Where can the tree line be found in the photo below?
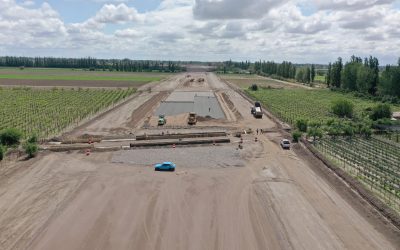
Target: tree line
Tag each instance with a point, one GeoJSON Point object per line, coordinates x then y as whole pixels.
{"type": "Point", "coordinates": [306, 74]}
{"type": "Point", "coordinates": [364, 77]}
{"type": "Point", "coordinates": [282, 70]}
{"type": "Point", "coordinates": [90, 63]}
{"type": "Point", "coordinates": [285, 70]}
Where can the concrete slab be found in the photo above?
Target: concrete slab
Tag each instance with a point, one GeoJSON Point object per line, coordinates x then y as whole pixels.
{"type": "Point", "coordinates": [208, 106]}
{"type": "Point", "coordinates": [187, 96]}
{"type": "Point", "coordinates": [202, 103]}
{"type": "Point", "coordinates": [175, 108]}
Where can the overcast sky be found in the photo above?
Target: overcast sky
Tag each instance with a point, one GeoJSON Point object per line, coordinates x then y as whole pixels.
{"type": "Point", "coordinates": [314, 31]}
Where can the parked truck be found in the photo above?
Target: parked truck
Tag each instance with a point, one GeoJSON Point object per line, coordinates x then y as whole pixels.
{"type": "Point", "coordinates": [192, 120]}
{"type": "Point", "coordinates": [257, 110]}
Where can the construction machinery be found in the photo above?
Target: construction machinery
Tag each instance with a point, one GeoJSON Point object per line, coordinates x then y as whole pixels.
{"type": "Point", "coordinates": [256, 110]}
{"type": "Point", "coordinates": [161, 120]}
{"type": "Point", "coordinates": [192, 120]}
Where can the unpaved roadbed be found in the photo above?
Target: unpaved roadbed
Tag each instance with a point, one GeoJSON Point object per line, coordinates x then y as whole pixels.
{"type": "Point", "coordinates": [261, 197]}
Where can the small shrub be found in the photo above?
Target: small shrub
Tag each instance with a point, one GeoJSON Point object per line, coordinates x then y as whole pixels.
{"type": "Point", "coordinates": [33, 139]}
{"type": "Point", "coordinates": [348, 130]}
{"type": "Point", "coordinates": [333, 131]}
{"type": "Point", "coordinates": [10, 137]}
{"type": "Point", "coordinates": [315, 133]}
{"type": "Point", "coordinates": [254, 87]}
{"type": "Point", "coordinates": [381, 111]}
{"type": "Point", "coordinates": [343, 108]}
{"type": "Point", "coordinates": [366, 132]}
{"type": "Point", "coordinates": [31, 149]}
{"type": "Point", "coordinates": [296, 136]}
{"type": "Point", "coordinates": [301, 125]}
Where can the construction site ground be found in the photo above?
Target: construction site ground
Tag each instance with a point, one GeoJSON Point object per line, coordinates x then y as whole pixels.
{"type": "Point", "coordinates": [219, 197]}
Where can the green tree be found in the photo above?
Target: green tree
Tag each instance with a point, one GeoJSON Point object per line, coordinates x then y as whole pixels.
{"type": "Point", "coordinates": [366, 131]}
{"type": "Point", "coordinates": [301, 125]}
{"type": "Point", "coordinates": [308, 75]}
{"type": "Point", "coordinates": [343, 108]}
{"type": "Point", "coordinates": [364, 79]}
{"type": "Point", "coordinates": [348, 130]}
{"type": "Point", "coordinates": [333, 131]}
{"type": "Point", "coordinates": [296, 135]}
{"type": "Point", "coordinates": [10, 137]}
{"type": "Point", "coordinates": [349, 76]}
{"type": "Point", "coordinates": [373, 64]}
{"type": "Point", "coordinates": [315, 133]}
{"type": "Point", "coordinates": [336, 74]}
{"type": "Point", "coordinates": [300, 75]}
{"type": "Point", "coordinates": [31, 149]}
{"type": "Point", "coordinates": [312, 73]}
{"type": "Point", "coordinates": [381, 111]}
{"type": "Point", "coordinates": [254, 87]}
{"type": "Point", "coordinates": [33, 139]}
{"type": "Point", "coordinates": [389, 83]}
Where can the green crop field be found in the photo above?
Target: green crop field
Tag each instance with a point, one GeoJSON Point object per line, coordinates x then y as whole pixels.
{"type": "Point", "coordinates": [48, 112]}
{"type": "Point", "coordinates": [312, 105]}
{"type": "Point", "coordinates": [373, 162]}
{"type": "Point", "coordinates": [393, 137]}
{"type": "Point", "coordinates": [133, 78]}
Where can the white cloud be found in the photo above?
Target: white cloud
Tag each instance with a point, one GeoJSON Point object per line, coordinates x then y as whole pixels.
{"type": "Point", "coordinates": [350, 4]}
{"type": "Point", "coordinates": [234, 9]}
{"type": "Point", "coordinates": [208, 30]}
{"type": "Point", "coordinates": [121, 13]}
{"type": "Point", "coordinates": [128, 33]}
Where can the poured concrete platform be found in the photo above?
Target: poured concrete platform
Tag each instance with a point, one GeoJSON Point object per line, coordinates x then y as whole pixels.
{"type": "Point", "coordinates": [202, 103]}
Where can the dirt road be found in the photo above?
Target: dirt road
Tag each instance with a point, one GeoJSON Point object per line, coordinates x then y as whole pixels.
{"type": "Point", "coordinates": [261, 197]}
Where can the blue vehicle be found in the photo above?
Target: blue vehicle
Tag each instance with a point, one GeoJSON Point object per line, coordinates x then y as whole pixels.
{"type": "Point", "coordinates": [166, 166]}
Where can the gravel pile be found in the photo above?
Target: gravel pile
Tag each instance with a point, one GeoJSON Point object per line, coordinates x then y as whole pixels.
{"type": "Point", "coordinates": [218, 156]}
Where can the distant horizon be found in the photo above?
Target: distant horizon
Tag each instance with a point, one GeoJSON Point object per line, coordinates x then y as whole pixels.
{"type": "Point", "coordinates": [194, 61]}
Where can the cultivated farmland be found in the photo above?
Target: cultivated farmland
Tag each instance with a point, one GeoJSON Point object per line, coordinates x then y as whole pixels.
{"type": "Point", "coordinates": [76, 78]}
{"type": "Point", "coordinates": [373, 162]}
{"type": "Point", "coordinates": [48, 112]}
{"type": "Point", "coordinates": [312, 105]}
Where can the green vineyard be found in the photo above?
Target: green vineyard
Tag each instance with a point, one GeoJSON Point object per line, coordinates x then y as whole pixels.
{"type": "Point", "coordinates": [373, 162]}
{"type": "Point", "coordinates": [48, 112]}
{"type": "Point", "coordinates": [312, 105]}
